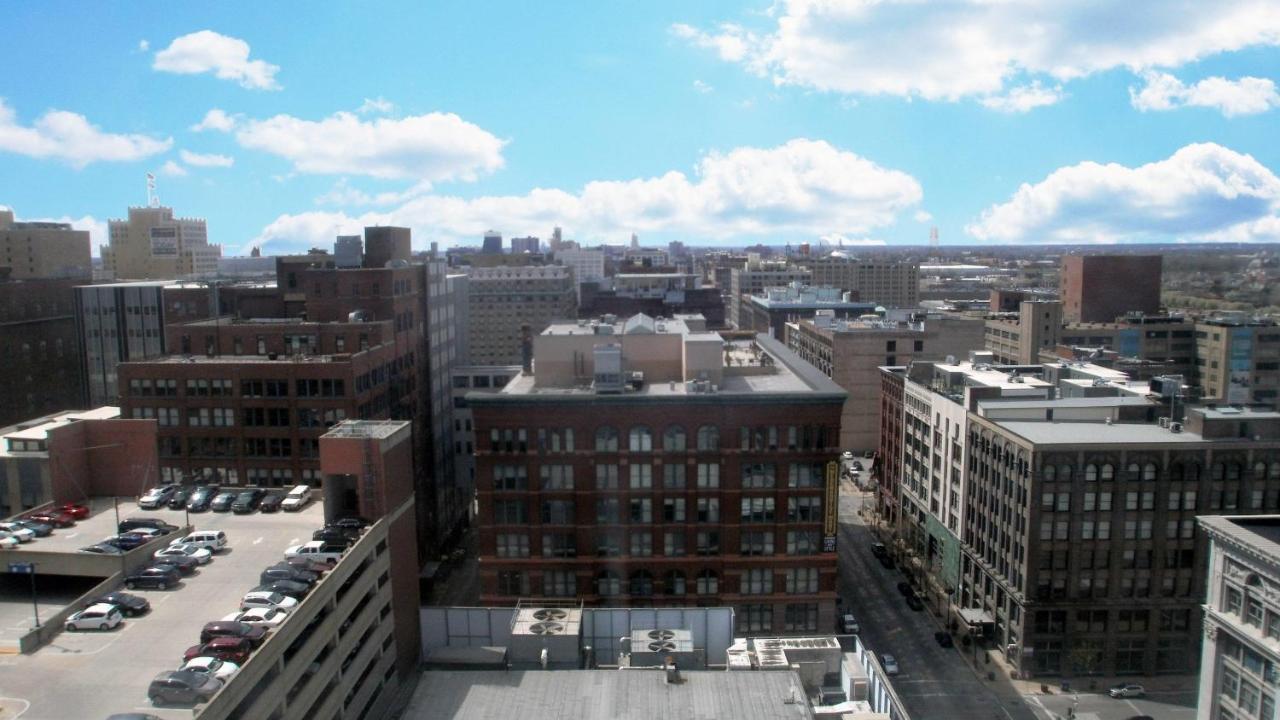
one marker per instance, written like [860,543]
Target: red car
[53,517]
[79,511]
[230,649]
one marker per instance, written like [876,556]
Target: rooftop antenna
[933,242]
[153,200]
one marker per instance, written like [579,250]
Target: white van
[211,540]
[297,498]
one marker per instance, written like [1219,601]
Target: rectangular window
[673,476]
[758,475]
[558,512]
[756,542]
[805,475]
[559,583]
[641,544]
[802,580]
[641,510]
[804,509]
[757,581]
[708,476]
[510,512]
[802,542]
[513,545]
[510,477]
[606,477]
[757,510]
[607,511]
[641,476]
[673,544]
[561,545]
[708,542]
[556,477]
[708,510]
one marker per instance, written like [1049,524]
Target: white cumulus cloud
[1203,192]
[978,48]
[215,119]
[379,105]
[71,138]
[804,187]
[1246,96]
[206,160]
[172,169]
[226,57]
[1024,98]
[702,87]
[431,147]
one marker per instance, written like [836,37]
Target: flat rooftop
[1238,413]
[991,377]
[100,673]
[1097,433]
[1084,402]
[1261,532]
[617,694]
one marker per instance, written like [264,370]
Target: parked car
[207,665]
[944,639]
[182,686]
[868,453]
[226,628]
[179,499]
[302,563]
[77,511]
[887,562]
[160,578]
[335,534]
[102,549]
[913,602]
[127,541]
[298,497]
[156,497]
[270,502]
[247,501]
[102,616]
[261,599]
[849,625]
[282,571]
[889,663]
[905,589]
[317,550]
[231,649]
[879,550]
[39,528]
[846,455]
[1127,690]
[857,466]
[136,523]
[184,565]
[186,550]
[290,588]
[357,523]
[222,501]
[52,517]
[200,498]
[20,533]
[7,541]
[129,605]
[211,540]
[265,618]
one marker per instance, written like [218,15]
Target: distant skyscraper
[635,240]
[154,245]
[524,244]
[556,238]
[348,251]
[492,242]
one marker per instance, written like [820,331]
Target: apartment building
[587,265]
[653,294]
[753,279]
[644,463]
[42,250]
[1165,340]
[1238,360]
[1241,618]
[504,301]
[152,244]
[891,283]
[39,347]
[468,379]
[1101,288]
[1018,338]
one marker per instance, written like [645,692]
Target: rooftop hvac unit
[770,655]
[554,631]
[653,647]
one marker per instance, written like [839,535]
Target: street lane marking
[255,542]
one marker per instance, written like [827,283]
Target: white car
[7,541]
[1127,691]
[195,552]
[269,618]
[890,664]
[19,533]
[102,616]
[846,455]
[220,669]
[147,532]
[266,599]
[211,540]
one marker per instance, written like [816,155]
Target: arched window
[608,583]
[640,439]
[1218,471]
[1233,471]
[1149,471]
[708,582]
[1108,472]
[675,583]
[1064,473]
[641,582]
[1049,472]
[1259,470]
[1090,473]
[673,439]
[606,439]
[1191,472]
[1133,470]
[1273,472]
[708,437]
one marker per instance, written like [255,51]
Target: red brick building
[887,472]
[1101,288]
[645,464]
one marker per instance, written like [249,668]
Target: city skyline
[782,124]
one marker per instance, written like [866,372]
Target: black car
[102,549]
[887,562]
[127,541]
[270,503]
[914,603]
[184,565]
[905,589]
[200,498]
[295,590]
[336,535]
[179,499]
[247,501]
[160,578]
[879,550]
[157,524]
[283,571]
[130,605]
[222,501]
[182,686]
[944,639]
[232,629]
[356,523]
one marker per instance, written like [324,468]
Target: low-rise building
[42,250]
[770,311]
[1018,338]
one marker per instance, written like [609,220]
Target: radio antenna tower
[152,199]
[933,243]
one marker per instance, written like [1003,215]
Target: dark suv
[201,497]
[232,629]
[283,571]
[271,502]
[182,686]
[154,523]
[160,578]
[179,499]
[247,501]
[130,605]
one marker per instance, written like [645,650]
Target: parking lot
[100,673]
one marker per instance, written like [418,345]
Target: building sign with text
[831,508]
[164,241]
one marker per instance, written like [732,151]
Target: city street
[936,682]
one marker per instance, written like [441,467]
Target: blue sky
[714,123]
